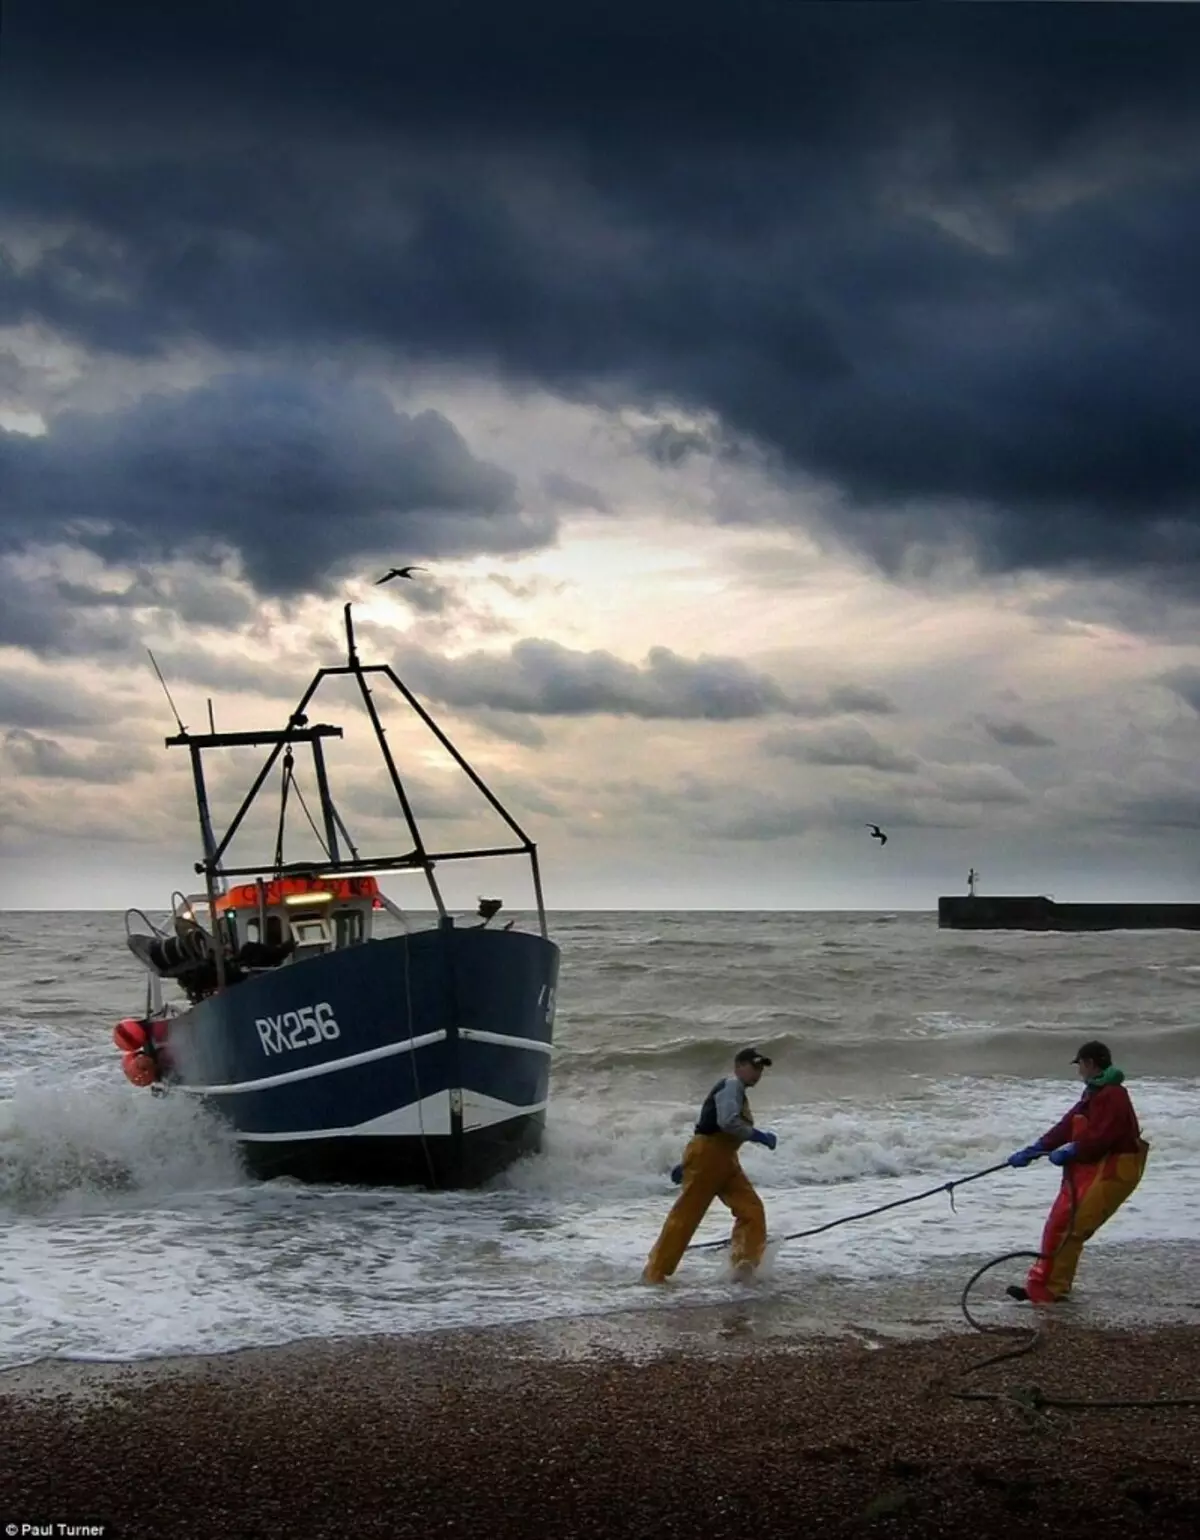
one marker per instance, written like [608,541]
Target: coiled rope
[1027,1398]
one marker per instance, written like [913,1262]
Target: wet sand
[591,1428]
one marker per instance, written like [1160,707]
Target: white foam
[565,1233]
[130,1231]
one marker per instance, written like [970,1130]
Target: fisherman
[711,1169]
[1100,1147]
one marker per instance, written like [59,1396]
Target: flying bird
[877,833]
[404,572]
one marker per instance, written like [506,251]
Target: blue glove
[1060,1156]
[677,1174]
[1030,1152]
[763,1136]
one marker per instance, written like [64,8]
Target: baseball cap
[1096,1052]
[752,1056]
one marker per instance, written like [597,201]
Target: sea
[904,1057]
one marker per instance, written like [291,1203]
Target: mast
[334,862]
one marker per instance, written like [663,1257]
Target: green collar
[1110,1076]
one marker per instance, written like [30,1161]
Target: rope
[311,822]
[798,1235]
[1028,1398]
[429,1166]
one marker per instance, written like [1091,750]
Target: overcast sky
[796,408]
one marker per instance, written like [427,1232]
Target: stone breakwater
[489,1434]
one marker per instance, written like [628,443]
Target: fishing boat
[335,1053]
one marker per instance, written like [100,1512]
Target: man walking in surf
[711,1169]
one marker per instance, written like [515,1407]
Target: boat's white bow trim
[311,1071]
[430,1118]
[504,1040]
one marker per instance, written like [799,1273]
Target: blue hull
[420,1059]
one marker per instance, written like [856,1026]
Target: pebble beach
[553,1431]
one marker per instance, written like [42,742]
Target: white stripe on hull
[481,1111]
[433,1119]
[430,1116]
[476,1035]
[311,1071]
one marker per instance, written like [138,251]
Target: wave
[599,1151]
[77,1145]
[956,1046]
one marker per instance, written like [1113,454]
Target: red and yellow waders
[711,1169]
[1100,1187]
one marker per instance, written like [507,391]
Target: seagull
[877,833]
[404,572]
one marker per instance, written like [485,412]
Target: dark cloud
[817,71]
[449,798]
[13,376]
[29,754]
[1154,796]
[1017,735]
[194,596]
[439,800]
[938,258]
[854,697]
[564,489]
[30,701]
[303,480]
[543,678]
[510,726]
[669,445]
[851,745]
[34,614]
[1184,683]
[282,679]
[981,784]
[424,593]
[1163,810]
[768,820]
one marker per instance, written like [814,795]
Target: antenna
[167,693]
[212,726]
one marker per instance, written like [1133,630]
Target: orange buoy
[130,1034]
[139,1068]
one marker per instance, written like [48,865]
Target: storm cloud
[544,678]
[28,701]
[301,479]
[1017,735]
[31,754]
[851,745]
[937,260]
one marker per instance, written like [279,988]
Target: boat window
[311,933]
[348,924]
[252,929]
[274,930]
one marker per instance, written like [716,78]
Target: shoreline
[668,1322]
[577,1432]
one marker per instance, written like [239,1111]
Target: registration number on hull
[304,1028]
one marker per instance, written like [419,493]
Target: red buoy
[130,1034]
[139,1068]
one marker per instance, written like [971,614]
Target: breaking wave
[80,1144]
[937,1044]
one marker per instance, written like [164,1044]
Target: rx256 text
[305,1028]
